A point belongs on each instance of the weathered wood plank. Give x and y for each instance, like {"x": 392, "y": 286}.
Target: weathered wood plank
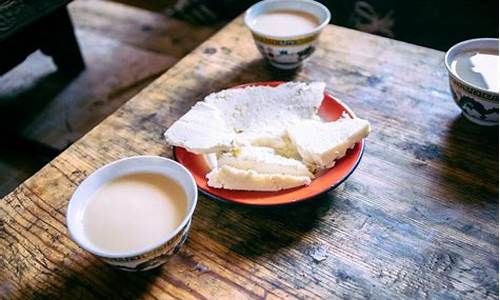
{"x": 150, "y": 41}
{"x": 57, "y": 111}
{"x": 140, "y": 28}
{"x": 418, "y": 219}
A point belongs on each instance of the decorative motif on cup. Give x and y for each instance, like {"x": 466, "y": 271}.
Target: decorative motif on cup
{"x": 468, "y": 104}
{"x": 471, "y": 104}
{"x": 300, "y": 55}
{"x": 285, "y": 43}
{"x": 475, "y": 92}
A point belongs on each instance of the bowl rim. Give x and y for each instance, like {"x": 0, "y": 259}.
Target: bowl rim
{"x": 71, "y": 222}
{"x": 456, "y": 77}
{"x": 316, "y": 30}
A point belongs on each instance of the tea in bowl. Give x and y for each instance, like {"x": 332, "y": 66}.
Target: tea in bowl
{"x": 133, "y": 213}
{"x": 473, "y": 68}
{"x": 286, "y": 31}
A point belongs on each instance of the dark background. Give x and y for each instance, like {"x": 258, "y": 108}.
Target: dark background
{"x": 435, "y": 24}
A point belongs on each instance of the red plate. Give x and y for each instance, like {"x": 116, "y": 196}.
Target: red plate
{"x": 330, "y": 110}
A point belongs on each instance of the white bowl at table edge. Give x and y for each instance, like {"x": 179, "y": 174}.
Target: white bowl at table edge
{"x": 122, "y": 167}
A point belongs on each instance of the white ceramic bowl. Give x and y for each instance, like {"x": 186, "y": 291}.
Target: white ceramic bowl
{"x": 149, "y": 257}
{"x": 287, "y": 52}
{"x": 478, "y": 105}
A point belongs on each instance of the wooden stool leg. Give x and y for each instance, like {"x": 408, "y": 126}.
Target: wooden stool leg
{"x": 59, "y": 41}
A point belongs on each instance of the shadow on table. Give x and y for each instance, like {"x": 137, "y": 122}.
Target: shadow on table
{"x": 114, "y": 284}
{"x": 261, "y": 70}
{"x": 20, "y": 103}
{"x": 466, "y": 177}
{"x": 255, "y": 231}
{"x": 470, "y": 156}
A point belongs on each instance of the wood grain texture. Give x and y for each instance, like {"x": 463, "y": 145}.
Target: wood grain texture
{"x": 418, "y": 219}
{"x": 125, "y": 49}
{"x": 55, "y": 110}
{"x": 140, "y": 28}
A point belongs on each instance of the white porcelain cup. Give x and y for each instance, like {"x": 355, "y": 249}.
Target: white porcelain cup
{"x": 287, "y": 52}
{"x": 153, "y": 255}
{"x": 478, "y": 105}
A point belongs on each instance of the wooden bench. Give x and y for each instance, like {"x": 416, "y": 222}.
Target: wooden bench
{"x": 29, "y": 25}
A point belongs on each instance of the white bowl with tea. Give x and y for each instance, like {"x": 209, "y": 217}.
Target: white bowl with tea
{"x": 133, "y": 213}
{"x": 286, "y": 31}
{"x": 473, "y": 69}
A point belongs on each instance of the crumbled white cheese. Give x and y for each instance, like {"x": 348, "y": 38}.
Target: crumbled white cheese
{"x": 211, "y": 160}
{"x": 263, "y": 160}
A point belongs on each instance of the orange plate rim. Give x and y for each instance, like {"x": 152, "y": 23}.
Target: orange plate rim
{"x": 358, "y": 152}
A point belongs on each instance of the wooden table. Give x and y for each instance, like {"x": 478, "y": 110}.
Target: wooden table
{"x": 418, "y": 219}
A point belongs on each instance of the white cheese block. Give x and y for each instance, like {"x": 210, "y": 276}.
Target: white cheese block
{"x": 201, "y": 130}
{"x": 264, "y": 161}
{"x": 260, "y": 114}
{"x": 281, "y": 145}
{"x": 236, "y": 179}
{"x": 321, "y": 143}
{"x": 211, "y": 160}
{"x": 268, "y": 110}
{"x": 245, "y": 116}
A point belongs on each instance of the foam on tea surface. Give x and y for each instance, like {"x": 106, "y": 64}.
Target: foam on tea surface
{"x": 133, "y": 212}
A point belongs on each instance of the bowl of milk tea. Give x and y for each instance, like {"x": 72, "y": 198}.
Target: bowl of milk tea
{"x": 286, "y": 31}
{"x": 473, "y": 68}
{"x": 133, "y": 213}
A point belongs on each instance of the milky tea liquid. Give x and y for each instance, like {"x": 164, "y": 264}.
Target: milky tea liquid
{"x": 285, "y": 22}
{"x": 479, "y": 68}
{"x": 133, "y": 212}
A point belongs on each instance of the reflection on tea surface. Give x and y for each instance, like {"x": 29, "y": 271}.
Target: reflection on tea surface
{"x": 477, "y": 68}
